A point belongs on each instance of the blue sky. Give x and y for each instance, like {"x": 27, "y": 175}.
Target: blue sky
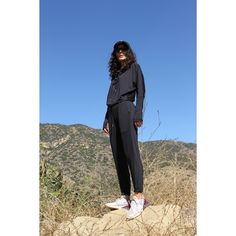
{"x": 76, "y": 40}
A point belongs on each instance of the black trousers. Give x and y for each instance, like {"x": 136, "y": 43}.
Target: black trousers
{"x": 124, "y": 144}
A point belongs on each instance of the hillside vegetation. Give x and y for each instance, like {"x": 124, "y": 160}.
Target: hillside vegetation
{"x": 77, "y": 174}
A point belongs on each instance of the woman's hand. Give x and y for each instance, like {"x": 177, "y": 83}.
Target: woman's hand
{"x": 106, "y": 128}
{"x": 138, "y": 123}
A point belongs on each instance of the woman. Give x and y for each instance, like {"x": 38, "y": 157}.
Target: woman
{"x": 122, "y": 120}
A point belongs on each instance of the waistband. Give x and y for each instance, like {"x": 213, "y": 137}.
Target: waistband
{"x": 124, "y": 98}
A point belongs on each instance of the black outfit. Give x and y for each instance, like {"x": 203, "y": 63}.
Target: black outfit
{"x": 121, "y": 114}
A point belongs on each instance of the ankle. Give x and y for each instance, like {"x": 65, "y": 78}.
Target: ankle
{"x": 139, "y": 195}
{"x": 127, "y": 197}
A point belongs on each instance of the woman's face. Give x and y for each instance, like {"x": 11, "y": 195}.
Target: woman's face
{"x": 121, "y": 52}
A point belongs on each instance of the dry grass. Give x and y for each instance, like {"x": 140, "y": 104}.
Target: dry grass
{"x": 172, "y": 184}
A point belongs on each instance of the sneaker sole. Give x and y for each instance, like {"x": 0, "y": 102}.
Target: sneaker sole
{"x": 117, "y": 208}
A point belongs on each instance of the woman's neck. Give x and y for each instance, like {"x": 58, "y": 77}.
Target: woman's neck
{"x": 122, "y": 63}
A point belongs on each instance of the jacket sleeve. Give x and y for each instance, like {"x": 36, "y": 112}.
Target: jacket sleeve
{"x": 105, "y": 120}
{"x": 140, "y": 94}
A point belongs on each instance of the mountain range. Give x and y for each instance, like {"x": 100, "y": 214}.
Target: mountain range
{"x": 80, "y": 150}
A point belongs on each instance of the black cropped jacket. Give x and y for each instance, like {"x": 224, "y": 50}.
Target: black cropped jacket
{"x": 127, "y": 86}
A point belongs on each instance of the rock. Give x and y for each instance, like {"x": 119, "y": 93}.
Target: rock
{"x": 154, "y": 221}
{"x": 79, "y": 226}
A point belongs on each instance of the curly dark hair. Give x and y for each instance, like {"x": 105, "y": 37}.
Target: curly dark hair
{"x": 115, "y": 67}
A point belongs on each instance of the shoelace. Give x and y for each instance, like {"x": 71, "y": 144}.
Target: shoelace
{"x": 132, "y": 203}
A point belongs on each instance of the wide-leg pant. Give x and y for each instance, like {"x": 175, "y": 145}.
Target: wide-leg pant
{"x": 124, "y": 144}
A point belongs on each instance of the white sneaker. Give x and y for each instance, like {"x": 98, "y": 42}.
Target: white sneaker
{"x": 136, "y": 208}
{"x": 119, "y": 203}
